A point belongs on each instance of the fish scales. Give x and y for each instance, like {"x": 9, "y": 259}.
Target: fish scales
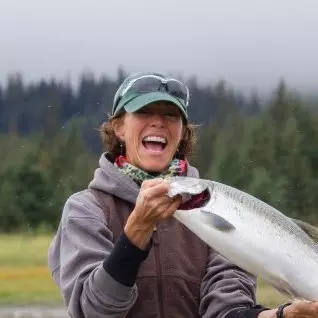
{"x": 252, "y": 234}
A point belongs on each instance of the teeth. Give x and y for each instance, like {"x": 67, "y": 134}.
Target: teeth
{"x": 156, "y": 139}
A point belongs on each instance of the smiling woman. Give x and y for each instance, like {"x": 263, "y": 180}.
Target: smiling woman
{"x": 118, "y": 252}
{"x": 150, "y": 137}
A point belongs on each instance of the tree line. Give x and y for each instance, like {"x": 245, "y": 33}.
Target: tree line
{"x": 50, "y": 145}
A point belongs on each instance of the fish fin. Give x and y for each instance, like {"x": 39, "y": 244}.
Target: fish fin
{"x": 218, "y": 222}
{"x": 309, "y": 229}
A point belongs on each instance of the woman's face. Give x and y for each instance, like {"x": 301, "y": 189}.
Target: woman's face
{"x": 151, "y": 135}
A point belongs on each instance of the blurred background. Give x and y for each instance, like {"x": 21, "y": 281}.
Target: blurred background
{"x": 251, "y": 67}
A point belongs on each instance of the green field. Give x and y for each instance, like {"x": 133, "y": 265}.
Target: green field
{"x": 25, "y": 278}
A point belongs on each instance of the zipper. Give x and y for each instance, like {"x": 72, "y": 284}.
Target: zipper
{"x": 159, "y": 272}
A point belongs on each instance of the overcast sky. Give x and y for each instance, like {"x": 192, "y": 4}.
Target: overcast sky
{"x": 249, "y": 43}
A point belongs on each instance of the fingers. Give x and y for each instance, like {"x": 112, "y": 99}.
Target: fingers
{"x": 153, "y": 204}
{"x": 149, "y": 190}
{"x": 176, "y": 201}
{"x": 155, "y": 189}
{"x": 301, "y": 309}
{"x": 150, "y": 183}
{"x": 310, "y": 308}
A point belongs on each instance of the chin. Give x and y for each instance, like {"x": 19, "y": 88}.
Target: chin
{"x": 155, "y": 166}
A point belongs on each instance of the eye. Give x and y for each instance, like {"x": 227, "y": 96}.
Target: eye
{"x": 141, "y": 112}
{"x": 172, "y": 115}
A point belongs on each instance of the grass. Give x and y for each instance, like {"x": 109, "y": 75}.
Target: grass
{"x": 24, "y": 275}
{"x": 25, "y": 278}
{"x": 268, "y": 296}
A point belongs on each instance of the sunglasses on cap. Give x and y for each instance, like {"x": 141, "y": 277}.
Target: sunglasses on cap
{"x": 153, "y": 83}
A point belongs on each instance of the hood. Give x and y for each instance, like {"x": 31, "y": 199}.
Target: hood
{"x": 109, "y": 179}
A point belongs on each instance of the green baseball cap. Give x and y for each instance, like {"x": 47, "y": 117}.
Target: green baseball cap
{"x": 130, "y": 100}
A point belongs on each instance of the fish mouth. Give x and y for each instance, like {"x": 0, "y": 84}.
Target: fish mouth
{"x": 196, "y": 201}
{"x": 188, "y": 186}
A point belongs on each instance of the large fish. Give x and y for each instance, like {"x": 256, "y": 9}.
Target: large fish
{"x": 253, "y": 235}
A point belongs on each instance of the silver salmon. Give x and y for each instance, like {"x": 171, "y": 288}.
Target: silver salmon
{"x": 253, "y": 235}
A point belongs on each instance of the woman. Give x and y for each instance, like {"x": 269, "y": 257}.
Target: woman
{"x": 118, "y": 252}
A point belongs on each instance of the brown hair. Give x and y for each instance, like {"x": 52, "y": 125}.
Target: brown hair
{"x": 114, "y": 146}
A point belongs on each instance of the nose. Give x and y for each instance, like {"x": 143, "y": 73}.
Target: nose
{"x": 157, "y": 120}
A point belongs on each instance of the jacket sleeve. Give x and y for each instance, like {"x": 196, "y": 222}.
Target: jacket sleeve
{"x": 76, "y": 258}
{"x": 225, "y": 287}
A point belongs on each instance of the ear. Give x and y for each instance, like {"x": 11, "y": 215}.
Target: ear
{"x": 119, "y": 127}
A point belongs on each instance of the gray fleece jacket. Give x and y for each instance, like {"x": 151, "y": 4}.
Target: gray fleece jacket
{"x": 83, "y": 241}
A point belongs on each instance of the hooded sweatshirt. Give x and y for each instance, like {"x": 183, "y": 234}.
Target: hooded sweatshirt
{"x": 83, "y": 254}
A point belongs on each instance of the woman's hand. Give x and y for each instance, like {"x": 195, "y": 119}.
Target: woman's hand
{"x": 152, "y": 205}
{"x": 301, "y": 309}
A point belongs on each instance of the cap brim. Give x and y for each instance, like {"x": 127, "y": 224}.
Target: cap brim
{"x": 145, "y": 99}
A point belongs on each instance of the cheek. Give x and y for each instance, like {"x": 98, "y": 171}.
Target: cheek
{"x": 132, "y": 135}
{"x": 177, "y": 133}
{"x": 132, "y": 129}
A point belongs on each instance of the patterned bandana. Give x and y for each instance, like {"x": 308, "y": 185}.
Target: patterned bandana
{"x": 177, "y": 167}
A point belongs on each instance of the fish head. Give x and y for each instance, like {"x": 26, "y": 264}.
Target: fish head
{"x": 186, "y": 186}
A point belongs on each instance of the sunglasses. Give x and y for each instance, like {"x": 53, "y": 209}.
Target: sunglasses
{"x": 153, "y": 83}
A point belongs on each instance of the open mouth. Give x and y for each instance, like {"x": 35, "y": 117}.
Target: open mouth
{"x": 154, "y": 143}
